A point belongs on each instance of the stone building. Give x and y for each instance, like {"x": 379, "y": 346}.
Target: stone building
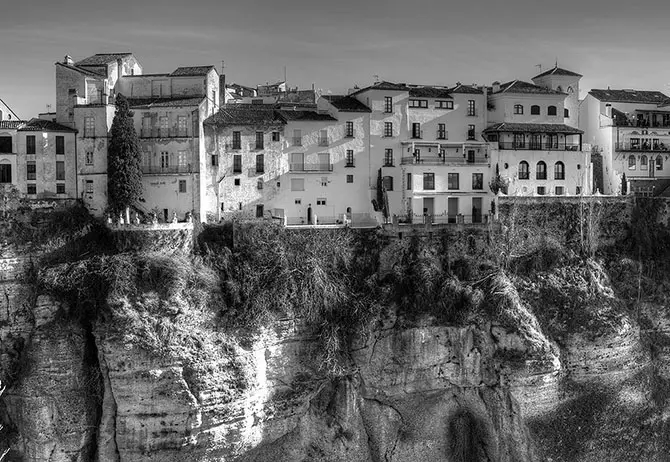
{"x": 169, "y": 110}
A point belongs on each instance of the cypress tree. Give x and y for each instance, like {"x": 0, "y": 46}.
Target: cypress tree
{"x": 124, "y": 160}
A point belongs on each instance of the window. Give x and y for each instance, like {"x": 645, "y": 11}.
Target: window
{"x": 452, "y": 181}
{"x": 89, "y": 186}
{"x": 441, "y": 131}
{"x": 237, "y": 140}
{"x": 163, "y": 125}
{"x": 551, "y": 110}
{"x": 635, "y": 143}
{"x": 259, "y": 211}
{"x": 471, "y": 108}
{"x": 535, "y": 141}
{"x": 552, "y": 141}
{"x": 324, "y": 181}
{"x": 388, "y": 104}
{"x": 350, "y": 158}
{"x": 237, "y": 182}
{"x": 324, "y": 162}
{"x": 643, "y": 163}
{"x": 559, "y": 88}
{"x": 215, "y": 160}
{"x": 237, "y": 163}
{"x": 444, "y": 104}
{"x": 32, "y": 188}
{"x": 570, "y": 90}
{"x": 182, "y": 161}
{"x": 182, "y": 186}
{"x": 350, "y": 178}
{"x": 297, "y": 162}
{"x": 541, "y": 191}
{"x": 30, "y": 144}
{"x": 297, "y": 184}
{"x": 31, "y": 170}
{"x": 523, "y": 170}
{"x": 477, "y": 181}
{"x": 541, "y": 173}
{"x": 471, "y": 132}
{"x": 165, "y": 159}
{"x": 631, "y": 162}
{"x": 535, "y": 109}
{"x": 388, "y": 157}
{"x": 259, "y": 140}
{"x": 60, "y": 171}
{"x": 89, "y": 158}
{"x": 578, "y": 190}
{"x": 416, "y": 130}
{"x": 518, "y": 109}
{"x": 349, "y": 131}
{"x": 5, "y": 173}
{"x": 89, "y": 127}
{"x": 566, "y": 113}
{"x": 297, "y": 138}
{"x": 559, "y": 171}
{"x": 409, "y": 181}
{"x": 659, "y": 162}
{"x": 428, "y": 181}
{"x": 260, "y": 163}
{"x": 519, "y": 141}
{"x": 559, "y": 191}
{"x": 60, "y": 145}
{"x": 471, "y": 156}
{"x": 388, "y": 129}
{"x": 275, "y": 136}
{"x": 60, "y": 188}
{"x": 387, "y": 183}
{"x": 297, "y": 201}
{"x": 259, "y": 183}
{"x": 418, "y": 103}
{"x": 321, "y": 201}
{"x": 5, "y": 144}
{"x": 323, "y": 138}
{"x": 181, "y": 125}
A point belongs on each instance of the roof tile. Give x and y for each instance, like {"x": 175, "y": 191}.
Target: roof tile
{"x": 346, "y": 103}
{"x": 102, "y": 59}
{"x": 558, "y": 71}
{"x": 532, "y": 128}
{"x": 519, "y": 86}
{"x": 192, "y": 71}
{"x": 629, "y": 96}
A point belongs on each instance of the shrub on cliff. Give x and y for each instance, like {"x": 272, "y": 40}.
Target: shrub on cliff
{"x": 124, "y": 160}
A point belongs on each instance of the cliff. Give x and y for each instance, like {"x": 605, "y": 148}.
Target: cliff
{"x": 264, "y": 344}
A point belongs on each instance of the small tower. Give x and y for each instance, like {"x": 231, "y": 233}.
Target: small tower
{"x": 567, "y": 82}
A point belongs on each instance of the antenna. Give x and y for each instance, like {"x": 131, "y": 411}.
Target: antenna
{"x": 285, "y": 75}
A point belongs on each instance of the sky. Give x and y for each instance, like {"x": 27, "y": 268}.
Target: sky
{"x": 336, "y": 45}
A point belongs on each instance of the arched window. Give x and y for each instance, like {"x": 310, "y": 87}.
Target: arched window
{"x": 631, "y": 162}
{"x": 518, "y": 109}
{"x": 551, "y": 110}
{"x": 570, "y": 90}
{"x": 643, "y": 163}
{"x": 566, "y": 113}
{"x": 535, "y": 109}
{"x": 541, "y": 173}
{"x": 659, "y": 162}
{"x": 559, "y": 171}
{"x": 559, "y": 88}
{"x": 523, "y": 170}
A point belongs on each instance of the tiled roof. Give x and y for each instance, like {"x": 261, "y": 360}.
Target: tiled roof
{"x": 384, "y": 85}
{"x": 629, "y": 96}
{"x": 346, "y": 103}
{"x": 519, "y": 86}
{"x": 558, "y": 71}
{"x": 41, "y": 125}
{"x": 429, "y": 92}
{"x": 11, "y": 124}
{"x": 468, "y": 89}
{"x": 192, "y": 71}
{"x": 82, "y": 70}
{"x": 243, "y": 114}
{"x": 532, "y": 128}
{"x": 101, "y": 59}
{"x": 165, "y": 102}
{"x": 304, "y": 116}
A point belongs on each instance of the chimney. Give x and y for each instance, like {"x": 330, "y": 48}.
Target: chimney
{"x": 222, "y": 89}
{"x": 608, "y": 110}
{"x": 68, "y": 60}
{"x": 495, "y": 87}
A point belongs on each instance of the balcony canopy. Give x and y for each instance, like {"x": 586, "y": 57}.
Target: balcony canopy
{"x": 533, "y": 128}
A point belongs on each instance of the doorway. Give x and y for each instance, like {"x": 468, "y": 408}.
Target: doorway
{"x": 309, "y": 214}
{"x": 452, "y": 209}
{"x": 428, "y": 208}
{"x": 476, "y": 209}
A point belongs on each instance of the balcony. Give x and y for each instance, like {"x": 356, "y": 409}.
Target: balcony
{"x": 640, "y": 123}
{"x": 350, "y": 164}
{"x": 305, "y": 168}
{"x": 645, "y": 147}
{"x": 444, "y": 160}
{"x": 163, "y": 133}
{"x": 511, "y": 145}
{"x": 174, "y": 169}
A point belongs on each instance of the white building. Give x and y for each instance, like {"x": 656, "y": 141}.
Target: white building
{"x": 630, "y": 130}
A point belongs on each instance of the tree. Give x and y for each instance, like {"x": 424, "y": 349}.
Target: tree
{"x": 124, "y": 160}
{"x": 10, "y": 199}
